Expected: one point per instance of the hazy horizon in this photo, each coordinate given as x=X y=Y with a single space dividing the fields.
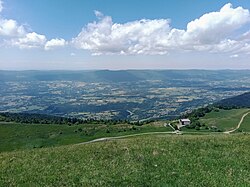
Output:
x=145 y=69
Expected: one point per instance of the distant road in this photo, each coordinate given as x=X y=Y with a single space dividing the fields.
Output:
x=239 y=124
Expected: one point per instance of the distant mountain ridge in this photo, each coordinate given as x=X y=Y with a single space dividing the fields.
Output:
x=121 y=75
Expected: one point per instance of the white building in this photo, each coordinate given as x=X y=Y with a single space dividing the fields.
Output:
x=184 y=122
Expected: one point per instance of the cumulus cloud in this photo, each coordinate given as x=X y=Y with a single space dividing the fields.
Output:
x=214 y=26
x=216 y=32
x=10 y=28
x=55 y=43
x=30 y=40
x=211 y=32
x=15 y=34
x=137 y=37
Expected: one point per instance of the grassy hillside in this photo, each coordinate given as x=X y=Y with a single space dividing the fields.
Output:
x=28 y=136
x=224 y=119
x=158 y=160
x=245 y=126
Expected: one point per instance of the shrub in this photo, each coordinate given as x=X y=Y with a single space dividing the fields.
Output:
x=197 y=128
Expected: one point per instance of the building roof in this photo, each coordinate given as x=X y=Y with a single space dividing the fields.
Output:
x=185 y=120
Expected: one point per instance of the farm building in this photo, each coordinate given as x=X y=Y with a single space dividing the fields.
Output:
x=184 y=122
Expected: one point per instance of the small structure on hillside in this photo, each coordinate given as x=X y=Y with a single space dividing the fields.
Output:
x=184 y=122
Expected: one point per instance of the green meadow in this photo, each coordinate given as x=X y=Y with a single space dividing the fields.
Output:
x=152 y=160
x=28 y=136
x=58 y=155
x=245 y=126
x=224 y=119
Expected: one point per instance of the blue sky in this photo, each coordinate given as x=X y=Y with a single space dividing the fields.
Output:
x=132 y=34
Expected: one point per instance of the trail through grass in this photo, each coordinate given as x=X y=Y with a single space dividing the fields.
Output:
x=29 y=136
x=224 y=120
x=239 y=124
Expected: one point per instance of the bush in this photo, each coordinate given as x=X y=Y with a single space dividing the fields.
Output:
x=134 y=128
x=197 y=128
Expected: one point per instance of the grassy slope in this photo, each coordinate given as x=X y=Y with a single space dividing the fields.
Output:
x=224 y=119
x=21 y=136
x=158 y=160
x=245 y=126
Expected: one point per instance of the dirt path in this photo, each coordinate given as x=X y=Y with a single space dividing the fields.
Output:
x=239 y=124
x=150 y=133
x=121 y=137
x=4 y=122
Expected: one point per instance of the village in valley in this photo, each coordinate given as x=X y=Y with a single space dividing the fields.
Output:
x=138 y=99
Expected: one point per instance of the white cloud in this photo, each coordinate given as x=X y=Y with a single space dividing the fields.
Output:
x=234 y=56
x=98 y=14
x=138 y=37
x=216 y=32
x=10 y=28
x=72 y=54
x=55 y=43
x=212 y=27
x=245 y=48
x=245 y=36
x=31 y=40
x=213 y=32
x=14 y=34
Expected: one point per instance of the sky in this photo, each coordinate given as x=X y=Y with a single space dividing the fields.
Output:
x=131 y=34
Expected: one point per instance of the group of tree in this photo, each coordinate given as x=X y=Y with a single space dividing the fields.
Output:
x=32 y=118
x=240 y=101
x=198 y=113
